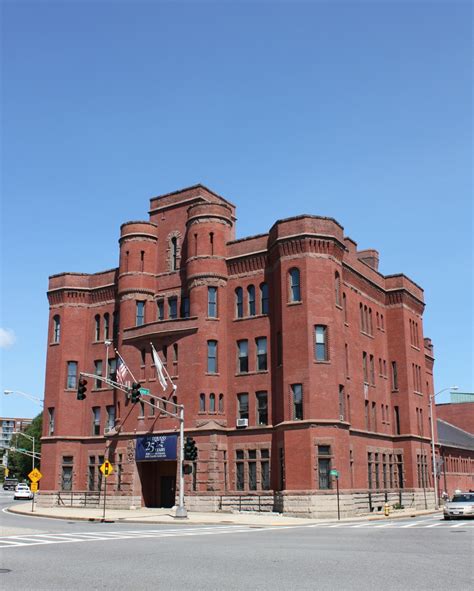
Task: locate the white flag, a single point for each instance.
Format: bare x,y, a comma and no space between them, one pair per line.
159,368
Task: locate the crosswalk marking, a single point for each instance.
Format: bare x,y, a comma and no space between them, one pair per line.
93,536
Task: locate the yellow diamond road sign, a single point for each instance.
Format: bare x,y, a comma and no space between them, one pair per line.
35,475
106,468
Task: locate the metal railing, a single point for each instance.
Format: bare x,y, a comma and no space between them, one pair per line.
85,498
258,502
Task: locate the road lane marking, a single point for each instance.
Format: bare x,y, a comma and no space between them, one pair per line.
459,524
434,525
410,524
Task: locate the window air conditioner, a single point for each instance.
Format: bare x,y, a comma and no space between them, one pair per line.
242,422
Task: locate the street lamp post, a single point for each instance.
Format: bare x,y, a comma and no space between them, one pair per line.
107,344
29,396
435,475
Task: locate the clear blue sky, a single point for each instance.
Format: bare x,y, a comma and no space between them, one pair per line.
357,110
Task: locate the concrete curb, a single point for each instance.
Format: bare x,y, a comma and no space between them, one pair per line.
227,519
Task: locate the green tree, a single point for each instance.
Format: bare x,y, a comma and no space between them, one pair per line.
20,465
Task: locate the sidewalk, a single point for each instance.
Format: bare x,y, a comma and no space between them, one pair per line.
166,516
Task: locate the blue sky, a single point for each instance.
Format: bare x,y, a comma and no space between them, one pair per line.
357,110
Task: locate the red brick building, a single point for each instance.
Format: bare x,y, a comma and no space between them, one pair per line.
456,444
292,355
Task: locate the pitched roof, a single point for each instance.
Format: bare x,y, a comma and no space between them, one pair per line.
451,436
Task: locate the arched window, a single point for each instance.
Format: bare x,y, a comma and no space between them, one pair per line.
97,327
337,288
212,403
264,298
202,403
211,241
251,296
295,288
239,302
174,253
56,329
221,402
344,306
106,326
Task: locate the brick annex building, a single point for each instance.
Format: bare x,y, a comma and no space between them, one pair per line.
291,353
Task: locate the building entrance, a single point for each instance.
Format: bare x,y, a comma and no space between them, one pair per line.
158,480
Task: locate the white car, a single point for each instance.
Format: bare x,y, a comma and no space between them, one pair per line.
461,505
22,491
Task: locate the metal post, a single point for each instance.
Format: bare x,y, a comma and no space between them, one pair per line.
435,480
105,495
181,509
337,491
33,462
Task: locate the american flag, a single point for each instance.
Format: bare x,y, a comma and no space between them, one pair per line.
121,371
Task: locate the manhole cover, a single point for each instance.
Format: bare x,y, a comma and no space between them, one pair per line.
5,570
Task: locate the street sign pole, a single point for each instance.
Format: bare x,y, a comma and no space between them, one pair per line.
181,509
335,473
105,496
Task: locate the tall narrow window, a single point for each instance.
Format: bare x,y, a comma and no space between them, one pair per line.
337,288
98,373
362,318
173,307
344,306
239,470
174,253
295,289
265,468
264,298
321,344
212,403
140,313
364,367
185,307
142,260
66,473
211,241
342,403
251,297
243,356
396,412
71,382
211,356
262,408
261,353
371,327
239,302
110,416
324,466
160,306
212,302
297,396
106,326
252,464
202,403
346,351
221,403
97,328
96,420
50,421
56,329
243,405
394,376
372,370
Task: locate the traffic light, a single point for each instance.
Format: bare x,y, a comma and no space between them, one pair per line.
81,389
190,450
135,392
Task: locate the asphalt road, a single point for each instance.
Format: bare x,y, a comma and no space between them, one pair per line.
412,554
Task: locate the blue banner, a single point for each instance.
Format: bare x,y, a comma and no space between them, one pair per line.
156,447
